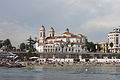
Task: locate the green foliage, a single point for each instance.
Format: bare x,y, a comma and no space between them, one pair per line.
32,50
31,42
26,56
8,45
29,47
91,47
1,45
22,46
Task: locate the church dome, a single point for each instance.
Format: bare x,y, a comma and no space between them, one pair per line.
51,29
67,30
42,28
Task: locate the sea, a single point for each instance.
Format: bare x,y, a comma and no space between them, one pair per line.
78,73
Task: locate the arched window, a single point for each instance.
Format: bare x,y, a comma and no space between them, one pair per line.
66,49
40,34
50,35
69,49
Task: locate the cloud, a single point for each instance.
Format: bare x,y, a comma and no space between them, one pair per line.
98,28
15,32
94,18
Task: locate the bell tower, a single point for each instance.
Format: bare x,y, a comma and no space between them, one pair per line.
51,32
42,34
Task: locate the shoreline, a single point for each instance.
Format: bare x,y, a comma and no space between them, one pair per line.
55,64
29,64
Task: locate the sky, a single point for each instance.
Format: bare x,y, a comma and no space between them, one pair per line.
94,18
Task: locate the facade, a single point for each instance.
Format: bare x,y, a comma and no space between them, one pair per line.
83,57
114,40
103,46
67,42
7,56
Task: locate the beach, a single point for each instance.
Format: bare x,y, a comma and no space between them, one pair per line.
20,64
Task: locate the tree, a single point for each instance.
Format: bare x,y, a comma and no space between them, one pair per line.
111,44
91,47
22,46
8,45
1,45
27,46
30,41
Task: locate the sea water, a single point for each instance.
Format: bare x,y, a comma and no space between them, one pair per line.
80,73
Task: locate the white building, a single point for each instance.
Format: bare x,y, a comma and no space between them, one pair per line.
67,42
114,38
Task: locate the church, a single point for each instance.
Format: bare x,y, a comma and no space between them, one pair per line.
67,42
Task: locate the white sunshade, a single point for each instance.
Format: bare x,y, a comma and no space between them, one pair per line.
33,57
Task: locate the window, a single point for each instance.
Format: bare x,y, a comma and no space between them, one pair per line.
41,34
56,49
66,49
117,40
69,49
59,49
50,35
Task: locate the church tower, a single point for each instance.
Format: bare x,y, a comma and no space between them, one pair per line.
42,34
51,32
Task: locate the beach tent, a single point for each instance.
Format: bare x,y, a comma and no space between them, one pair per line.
33,57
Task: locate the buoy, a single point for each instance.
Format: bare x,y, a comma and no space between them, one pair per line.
86,70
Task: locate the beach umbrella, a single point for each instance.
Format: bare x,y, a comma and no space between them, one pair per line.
33,57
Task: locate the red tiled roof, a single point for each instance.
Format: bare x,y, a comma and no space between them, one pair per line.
67,33
51,37
61,36
75,36
72,36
